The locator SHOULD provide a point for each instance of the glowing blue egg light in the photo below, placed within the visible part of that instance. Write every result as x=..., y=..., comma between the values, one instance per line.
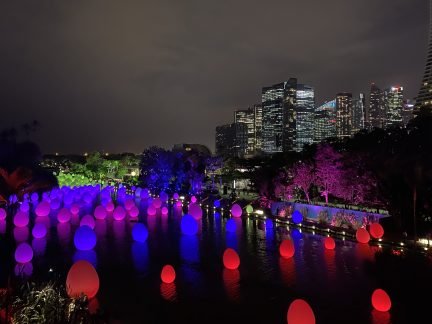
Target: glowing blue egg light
x=55, y=204
x=176, y=196
x=231, y=226
x=25, y=207
x=189, y=225
x=34, y=197
x=139, y=232
x=216, y=203
x=84, y=238
x=145, y=193
x=163, y=196
x=297, y=217
x=23, y=253
x=39, y=230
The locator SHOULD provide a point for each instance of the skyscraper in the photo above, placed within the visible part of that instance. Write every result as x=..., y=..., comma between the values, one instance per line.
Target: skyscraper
x=343, y=114
x=376, y=111
x=304, y=108
x=325, y=121
x=247, y=117
x=358, y=113
x=407, y=111
x=393, y=101
x=424, y=97
x=279, y=116
x=258, y=127
x=232, y=140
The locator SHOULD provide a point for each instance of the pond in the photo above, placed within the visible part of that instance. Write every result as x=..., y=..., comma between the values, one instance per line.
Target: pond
x=337, y=284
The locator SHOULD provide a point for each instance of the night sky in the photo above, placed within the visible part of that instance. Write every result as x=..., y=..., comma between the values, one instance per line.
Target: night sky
x=123, y=75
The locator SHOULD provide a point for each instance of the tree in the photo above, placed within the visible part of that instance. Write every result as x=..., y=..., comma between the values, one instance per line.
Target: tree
x=303, y=177
x=213, y=164
x=328, y=171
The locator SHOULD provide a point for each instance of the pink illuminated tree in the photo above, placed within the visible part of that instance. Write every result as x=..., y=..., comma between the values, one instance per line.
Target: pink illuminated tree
x=304, y=177
x=328, y=171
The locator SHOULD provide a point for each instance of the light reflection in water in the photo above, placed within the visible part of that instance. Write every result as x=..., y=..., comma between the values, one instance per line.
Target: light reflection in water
x=231, y=279
x=140, y=257
x=21, y=234
x=39, y=246
x=287, y=270
x=89, y=256
x=64, y=233
x=168, y=291
x=380, y=317
x=24, y=269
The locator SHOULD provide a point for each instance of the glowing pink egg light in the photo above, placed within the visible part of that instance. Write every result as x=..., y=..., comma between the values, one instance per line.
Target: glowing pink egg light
x=82, y=278
x=157, y=203
x=168, y=274
x=23, y=253
x=164, y=211
x=236, y=210
x=64, y=215
x=110, y=207
x=43, y=209
x=151, y=211
x=195, y=210
x=21, y=219
x=129, y=204
x=89, y=221
x=193, y=200
x=299, y=312
x=231, y=259
x=3, y=214
x=75, y=209
x=100, y=212
x=119, y=213
x=134, y=212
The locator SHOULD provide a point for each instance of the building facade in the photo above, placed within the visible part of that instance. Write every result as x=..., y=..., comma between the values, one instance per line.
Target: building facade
x=325, y=121
x=407, y=111
x=393, y=102
x=358, y=114
x=232, y=140
x=247, y=117
x=424, y=97
x=376, y=111
x=279, y=117
x=258, y=127
x=304, y=108
x=343, y=115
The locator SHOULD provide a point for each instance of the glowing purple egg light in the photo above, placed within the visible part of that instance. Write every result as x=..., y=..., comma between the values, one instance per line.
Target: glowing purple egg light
x=39, y=231
x=193, y=199
x=55, y=204
x=157, y=203
x=178, y=204
x=21, y=219
x=75, y=209
x=25, y=207
x=151, y=211
x=164, y=211
x=196, y=211
x=163, y=196
x=110, y=207
x=129, y=204
x=176, y=196
x=23, y=253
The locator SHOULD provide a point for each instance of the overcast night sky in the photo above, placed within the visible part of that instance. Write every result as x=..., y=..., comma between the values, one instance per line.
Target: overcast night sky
x=123, y=75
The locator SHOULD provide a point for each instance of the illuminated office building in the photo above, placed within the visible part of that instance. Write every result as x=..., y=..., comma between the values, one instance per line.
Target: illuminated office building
x=358, y=113
x=393, y=101
x=325, y=121
x=304, y=118
x=343, y=115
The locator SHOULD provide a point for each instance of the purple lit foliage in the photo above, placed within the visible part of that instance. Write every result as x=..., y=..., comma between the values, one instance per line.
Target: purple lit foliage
x=304, y=177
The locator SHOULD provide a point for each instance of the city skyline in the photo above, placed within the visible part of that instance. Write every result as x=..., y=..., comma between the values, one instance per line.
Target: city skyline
x=122, y=82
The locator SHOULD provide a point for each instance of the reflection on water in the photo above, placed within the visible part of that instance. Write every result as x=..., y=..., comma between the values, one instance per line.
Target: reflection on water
x=380, y=317
x=39, y=246
x=23, y=269
x=287, y=271
x=140, y=257
x=21, y=234
x=231, y=279
x=168, y=291
x=64, y=233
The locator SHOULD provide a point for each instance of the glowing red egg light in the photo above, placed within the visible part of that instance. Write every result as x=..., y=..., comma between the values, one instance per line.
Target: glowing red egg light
x=82, y=278
x=329, y=243
x=287, y=249
x=381, y=300
x=299, y=312
x=231, y=259
x=362, y=236
x=376, y=230
x=168, y=274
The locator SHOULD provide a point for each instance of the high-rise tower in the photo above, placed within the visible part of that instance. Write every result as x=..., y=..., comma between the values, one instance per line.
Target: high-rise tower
x=424, y=97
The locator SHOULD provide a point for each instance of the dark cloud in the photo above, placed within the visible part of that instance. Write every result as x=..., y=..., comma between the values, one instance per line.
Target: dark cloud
x=123, y=75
